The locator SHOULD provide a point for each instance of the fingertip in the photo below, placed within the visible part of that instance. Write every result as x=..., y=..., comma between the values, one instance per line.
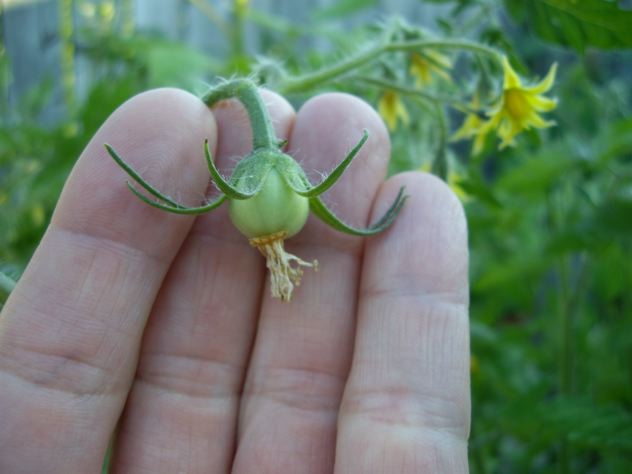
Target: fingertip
x=159, y=133
x=429, y=235
x=342, y=118
x=429, y=190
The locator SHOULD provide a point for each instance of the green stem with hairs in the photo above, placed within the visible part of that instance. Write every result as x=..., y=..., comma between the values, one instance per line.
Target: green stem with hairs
x=246, y=92
x=310, y=80
x=463, y=45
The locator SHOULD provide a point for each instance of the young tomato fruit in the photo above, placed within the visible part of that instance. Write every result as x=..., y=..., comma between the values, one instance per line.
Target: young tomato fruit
x=269, y=195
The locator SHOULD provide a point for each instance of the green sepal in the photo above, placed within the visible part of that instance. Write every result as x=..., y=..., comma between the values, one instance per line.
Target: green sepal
x=292, y=174
x=250, y=172
x=178, y=208
x=331, y=179
x=136, y=177
x=223, y=185
x=321, y=211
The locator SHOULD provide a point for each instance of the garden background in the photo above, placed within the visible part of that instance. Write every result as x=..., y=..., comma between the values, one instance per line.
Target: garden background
x=550, y=219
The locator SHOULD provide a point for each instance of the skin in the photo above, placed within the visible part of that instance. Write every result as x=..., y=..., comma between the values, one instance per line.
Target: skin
x=164, y=324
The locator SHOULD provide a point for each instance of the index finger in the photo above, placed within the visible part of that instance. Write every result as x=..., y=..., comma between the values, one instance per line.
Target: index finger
x=70, y=332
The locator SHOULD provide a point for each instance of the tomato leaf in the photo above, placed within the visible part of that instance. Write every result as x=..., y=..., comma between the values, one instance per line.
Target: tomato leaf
x=577, y=25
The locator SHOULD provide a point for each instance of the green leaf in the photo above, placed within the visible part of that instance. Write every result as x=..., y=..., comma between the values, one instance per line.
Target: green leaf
x=576, y=24
x=475, y=187
x=616, y=140
x=540, y=172
x=513, y=272
x=581, y=421
x=615, y=214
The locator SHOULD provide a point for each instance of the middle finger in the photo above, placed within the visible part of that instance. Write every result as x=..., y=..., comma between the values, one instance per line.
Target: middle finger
x=302, y=351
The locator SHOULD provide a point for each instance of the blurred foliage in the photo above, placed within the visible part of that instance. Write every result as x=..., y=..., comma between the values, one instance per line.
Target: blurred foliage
x=550, y=220
x=599, y=23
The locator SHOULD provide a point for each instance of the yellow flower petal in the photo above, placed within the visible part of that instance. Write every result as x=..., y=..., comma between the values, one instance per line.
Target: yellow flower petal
x=423, y=66
x=402, y=113
x=546, y=83
x=470, y=127
x=474, y=126
x=541, y=103
x=479, y=143
x=420, y=71
x=511, y=77
x=507, y=132
x=392, y=109
x=519, y=106
x=536, y=121
x=440, y=59
x=442, y=73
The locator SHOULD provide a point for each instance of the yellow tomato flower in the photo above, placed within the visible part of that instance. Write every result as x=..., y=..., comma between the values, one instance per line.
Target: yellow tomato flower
x=423, y=66
x=475, y=126
x=392, y=109
x=519, y=106
x=517, y=110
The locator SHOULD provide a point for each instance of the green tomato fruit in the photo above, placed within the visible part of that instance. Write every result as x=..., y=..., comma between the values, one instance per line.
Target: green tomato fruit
x=275, y=208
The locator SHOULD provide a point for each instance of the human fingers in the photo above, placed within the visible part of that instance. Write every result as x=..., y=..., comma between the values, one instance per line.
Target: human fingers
x=71, y=330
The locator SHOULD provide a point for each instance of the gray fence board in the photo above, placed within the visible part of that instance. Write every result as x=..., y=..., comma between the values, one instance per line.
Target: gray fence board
x=32, y=41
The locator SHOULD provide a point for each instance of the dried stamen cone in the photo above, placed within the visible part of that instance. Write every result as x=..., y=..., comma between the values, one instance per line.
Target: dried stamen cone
x=285, y=269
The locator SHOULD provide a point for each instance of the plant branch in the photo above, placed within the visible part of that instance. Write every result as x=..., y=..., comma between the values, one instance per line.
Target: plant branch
x=245, y=90
x=308, y=81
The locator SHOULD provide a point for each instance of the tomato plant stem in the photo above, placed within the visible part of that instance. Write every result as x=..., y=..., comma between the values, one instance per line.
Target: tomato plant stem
x=246, y=92
x=309, y=81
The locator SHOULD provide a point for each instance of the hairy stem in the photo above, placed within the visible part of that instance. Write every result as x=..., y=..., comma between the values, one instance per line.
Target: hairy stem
x=308, y=81
x=246, y=92
x=463, y=45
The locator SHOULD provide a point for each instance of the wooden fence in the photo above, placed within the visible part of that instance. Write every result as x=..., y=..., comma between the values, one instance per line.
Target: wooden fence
x=32, y=31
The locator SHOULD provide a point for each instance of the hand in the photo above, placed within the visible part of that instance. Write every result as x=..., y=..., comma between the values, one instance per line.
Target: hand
x=164, y=323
